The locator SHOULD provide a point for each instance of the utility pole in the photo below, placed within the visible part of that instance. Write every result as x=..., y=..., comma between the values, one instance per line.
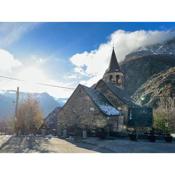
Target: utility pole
x=16, y=108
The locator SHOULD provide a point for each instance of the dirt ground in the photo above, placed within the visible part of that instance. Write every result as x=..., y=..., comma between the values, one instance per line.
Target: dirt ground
x=31, y=144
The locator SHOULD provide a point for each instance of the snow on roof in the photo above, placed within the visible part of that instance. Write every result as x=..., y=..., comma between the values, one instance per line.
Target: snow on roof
x=103, y=104
x=109, y=110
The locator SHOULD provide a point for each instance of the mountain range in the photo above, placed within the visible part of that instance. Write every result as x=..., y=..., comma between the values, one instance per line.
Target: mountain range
x=7, y=102
x=161, y=85
x=140, y=65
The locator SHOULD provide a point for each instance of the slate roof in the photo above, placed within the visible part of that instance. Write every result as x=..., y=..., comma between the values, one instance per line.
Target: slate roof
x=120, y=93
x=113, y=65
x=101, y=102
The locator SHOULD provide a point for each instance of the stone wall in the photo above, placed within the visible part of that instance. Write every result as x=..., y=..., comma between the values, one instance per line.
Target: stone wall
x=113, y=99
x=81, y=111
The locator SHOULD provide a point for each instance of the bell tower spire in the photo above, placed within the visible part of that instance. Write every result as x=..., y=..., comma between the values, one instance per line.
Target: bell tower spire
x=113, y=65
x=113, y=73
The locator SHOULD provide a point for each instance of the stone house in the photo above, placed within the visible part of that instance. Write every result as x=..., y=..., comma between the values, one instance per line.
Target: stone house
x=88, y=109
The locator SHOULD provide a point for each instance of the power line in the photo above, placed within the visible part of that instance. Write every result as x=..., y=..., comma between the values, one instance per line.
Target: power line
x=63, y=87
x=11, y=78
x=42, y=84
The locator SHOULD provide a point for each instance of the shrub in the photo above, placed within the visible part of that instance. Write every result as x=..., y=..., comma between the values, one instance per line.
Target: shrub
x=164, y=116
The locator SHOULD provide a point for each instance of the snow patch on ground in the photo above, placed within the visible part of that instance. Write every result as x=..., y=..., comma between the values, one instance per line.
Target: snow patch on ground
x=3, y=139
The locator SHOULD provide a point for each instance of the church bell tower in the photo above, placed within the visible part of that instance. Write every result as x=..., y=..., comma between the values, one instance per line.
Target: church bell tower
x=113, y=74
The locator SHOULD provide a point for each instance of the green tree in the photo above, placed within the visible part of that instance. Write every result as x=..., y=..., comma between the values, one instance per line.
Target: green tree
x=164, y=115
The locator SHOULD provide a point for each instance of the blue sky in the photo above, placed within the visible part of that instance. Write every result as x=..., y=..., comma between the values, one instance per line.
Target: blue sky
x=66, y=39
x=66, y=53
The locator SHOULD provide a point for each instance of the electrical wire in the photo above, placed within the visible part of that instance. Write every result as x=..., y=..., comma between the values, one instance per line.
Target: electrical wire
x=42, y=84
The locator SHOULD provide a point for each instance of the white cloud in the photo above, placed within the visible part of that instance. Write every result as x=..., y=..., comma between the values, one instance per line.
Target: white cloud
x=79, y=70
x=32, y=69
x=72, y=76
x=32, y=73
x=95, y=62
x=8, y=62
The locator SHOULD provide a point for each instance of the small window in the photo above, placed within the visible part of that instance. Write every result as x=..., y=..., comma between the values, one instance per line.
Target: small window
x=92, y=109
x=110, y=77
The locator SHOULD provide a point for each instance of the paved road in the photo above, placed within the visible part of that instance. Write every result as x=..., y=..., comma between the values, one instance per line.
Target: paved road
x=30, y=144
x=127, y=146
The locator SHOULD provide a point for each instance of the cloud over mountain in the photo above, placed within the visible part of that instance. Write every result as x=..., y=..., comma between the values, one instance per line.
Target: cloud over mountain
x=94, y=63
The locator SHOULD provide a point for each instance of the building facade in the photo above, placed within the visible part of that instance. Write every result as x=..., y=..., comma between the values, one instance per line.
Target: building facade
x=88, y=109
x=104, y=105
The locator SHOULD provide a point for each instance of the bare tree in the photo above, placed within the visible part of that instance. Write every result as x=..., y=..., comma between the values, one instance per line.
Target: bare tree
x=29, y=117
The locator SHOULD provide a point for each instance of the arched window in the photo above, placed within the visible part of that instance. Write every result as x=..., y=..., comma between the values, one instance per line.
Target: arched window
x=117, y=78
x=110, y=77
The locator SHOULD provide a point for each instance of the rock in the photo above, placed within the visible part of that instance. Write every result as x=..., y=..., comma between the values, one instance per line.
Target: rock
x=159, y=85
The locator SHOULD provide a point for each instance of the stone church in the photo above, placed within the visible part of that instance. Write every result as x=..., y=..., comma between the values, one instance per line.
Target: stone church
x=104, y=105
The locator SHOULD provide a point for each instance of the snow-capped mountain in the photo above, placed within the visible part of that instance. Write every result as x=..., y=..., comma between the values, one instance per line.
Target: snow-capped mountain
x=8, y=97
x=166, y=48
x=141, y=65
